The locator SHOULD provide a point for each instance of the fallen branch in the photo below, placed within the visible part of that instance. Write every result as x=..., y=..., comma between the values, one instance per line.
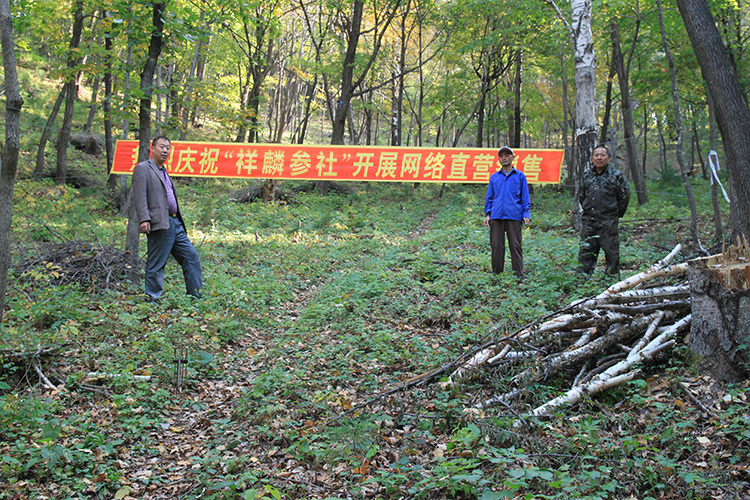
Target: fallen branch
x=44, y=380
x=697, y=402
x=99, y=376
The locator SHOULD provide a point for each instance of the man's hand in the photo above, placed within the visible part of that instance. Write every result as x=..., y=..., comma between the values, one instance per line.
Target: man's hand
x=526, y=221
x=145, y=227
x=487, y=220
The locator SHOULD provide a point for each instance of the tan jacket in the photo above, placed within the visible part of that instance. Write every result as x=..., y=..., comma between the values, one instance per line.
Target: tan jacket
x=150, y=196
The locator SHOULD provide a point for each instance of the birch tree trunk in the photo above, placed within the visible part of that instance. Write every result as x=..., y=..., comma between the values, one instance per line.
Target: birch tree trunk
x=585, y=79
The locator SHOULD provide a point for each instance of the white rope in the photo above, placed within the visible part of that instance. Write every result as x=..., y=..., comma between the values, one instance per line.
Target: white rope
x=713, y=161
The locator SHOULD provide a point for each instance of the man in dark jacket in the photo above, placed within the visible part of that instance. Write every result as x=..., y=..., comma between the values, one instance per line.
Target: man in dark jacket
x=507, y=207
x=604, y=197
x=160, y=218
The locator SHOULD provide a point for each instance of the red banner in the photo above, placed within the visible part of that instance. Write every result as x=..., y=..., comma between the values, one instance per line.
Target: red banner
x=343, y=163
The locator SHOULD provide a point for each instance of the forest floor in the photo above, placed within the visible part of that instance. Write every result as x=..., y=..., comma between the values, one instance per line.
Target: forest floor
x=320, y=316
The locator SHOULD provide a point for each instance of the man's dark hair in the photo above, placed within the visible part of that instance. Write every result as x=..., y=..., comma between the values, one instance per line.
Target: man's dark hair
x=153, y=142
x=602, y=146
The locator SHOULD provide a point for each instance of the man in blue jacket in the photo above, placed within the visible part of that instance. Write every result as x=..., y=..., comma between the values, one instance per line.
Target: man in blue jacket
x=507, y=206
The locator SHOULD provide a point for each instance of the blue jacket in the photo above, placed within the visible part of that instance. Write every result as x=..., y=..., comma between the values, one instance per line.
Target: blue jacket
x=508, y=196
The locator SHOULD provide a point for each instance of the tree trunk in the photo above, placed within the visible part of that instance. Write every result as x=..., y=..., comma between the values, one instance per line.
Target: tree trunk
x=188, y=109
x=515, y=138
x=268, y=191
x=662, y=144
x=39, y=168
x=732, y=112
x=603, y=139
x=144, y=125
x=244, y=97
x=569, y=158
x=420, y=79
x=720, y=298
x=312, y=89
x=646, y=118
x=92, y=107
x=347, y=75
x=9, y=157
x=398, y=101
x=623, y=78
x=680, y=134
x=107, y=105
x=63, y=136
x=480, y=112
x=585, y=78
x=713, y=155
x=341, y=111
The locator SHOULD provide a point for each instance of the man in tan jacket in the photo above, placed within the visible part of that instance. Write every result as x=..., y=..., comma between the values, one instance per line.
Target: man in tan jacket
x=161, y=220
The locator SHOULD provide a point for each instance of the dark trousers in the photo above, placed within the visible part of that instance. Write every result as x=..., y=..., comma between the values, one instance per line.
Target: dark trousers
x=172, y=241
x=595, y=235
x=499, y=228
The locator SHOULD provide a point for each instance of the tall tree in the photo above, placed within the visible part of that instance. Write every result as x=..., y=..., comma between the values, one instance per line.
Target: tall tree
x=514, y=121
x=46, y=132
x=579, y=30
x=732, y=112
x=351, y=84
x=255, y=35
x=621, y=63
x=397, y=91
x=680, y=133
x=144, y=116
x=490, y=63
x=713, y=158
x=70, y=90
x=317, y=28
x=9, y=157
x=107, y=105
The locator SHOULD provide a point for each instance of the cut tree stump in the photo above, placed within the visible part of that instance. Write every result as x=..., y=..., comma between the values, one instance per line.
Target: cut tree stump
x=720, y=297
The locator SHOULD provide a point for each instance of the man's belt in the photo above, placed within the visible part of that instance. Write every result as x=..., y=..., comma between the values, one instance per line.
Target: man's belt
x=173, y=214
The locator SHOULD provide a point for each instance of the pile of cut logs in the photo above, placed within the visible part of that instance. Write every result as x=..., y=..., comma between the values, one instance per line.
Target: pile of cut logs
x=604, y=339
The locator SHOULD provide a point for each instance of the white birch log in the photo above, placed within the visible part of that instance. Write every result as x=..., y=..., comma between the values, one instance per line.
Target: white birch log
x=577, y=393
x=614, y=376
x=477, y=360
x=650, y=273
x=650, y=294
x=556, y=362
x=636, y=280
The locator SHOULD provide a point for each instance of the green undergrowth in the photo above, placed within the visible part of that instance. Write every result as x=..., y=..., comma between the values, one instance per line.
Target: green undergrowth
x=311, y=308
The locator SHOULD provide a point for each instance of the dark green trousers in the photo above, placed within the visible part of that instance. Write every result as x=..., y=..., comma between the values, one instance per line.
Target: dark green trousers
x=599, y=234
